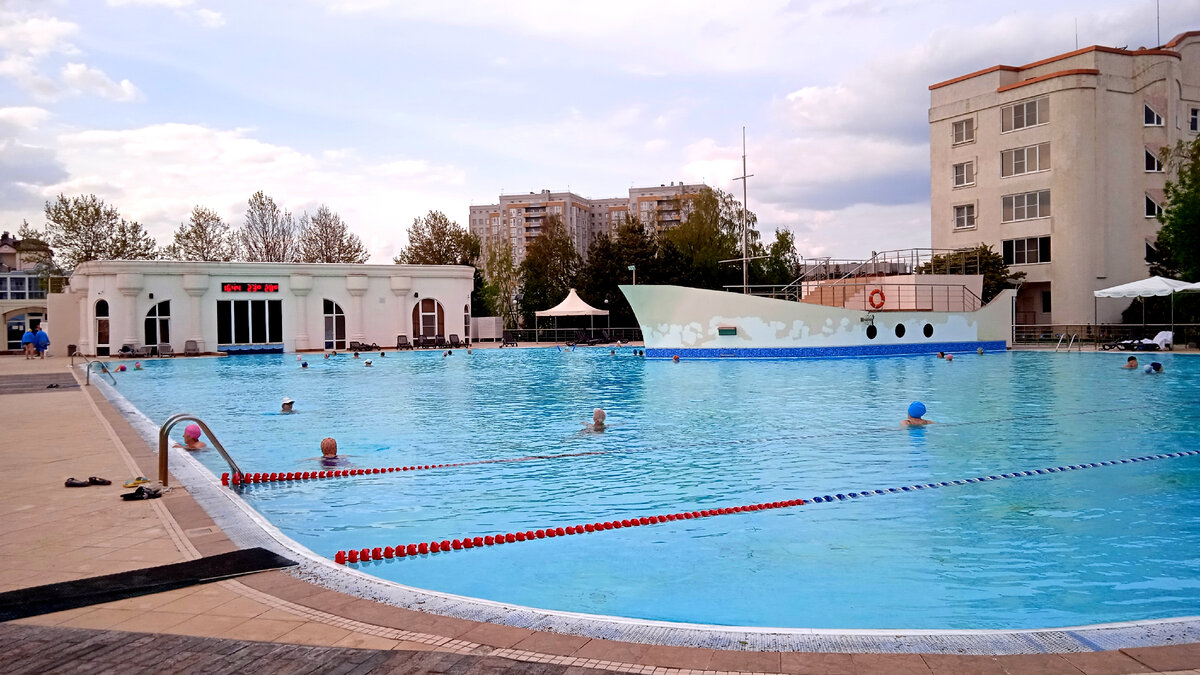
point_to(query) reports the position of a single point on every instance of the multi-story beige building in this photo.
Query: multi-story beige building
(518, 219)
(1055, 164)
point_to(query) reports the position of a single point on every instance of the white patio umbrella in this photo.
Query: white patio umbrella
(573, 305)
(1154, 286)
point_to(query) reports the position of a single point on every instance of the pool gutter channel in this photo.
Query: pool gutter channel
(247, 528)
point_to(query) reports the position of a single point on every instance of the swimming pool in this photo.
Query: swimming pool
(1113, 543)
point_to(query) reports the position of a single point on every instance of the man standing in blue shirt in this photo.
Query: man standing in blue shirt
(27, 344)
(41, 342)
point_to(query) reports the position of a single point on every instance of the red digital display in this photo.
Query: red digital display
(248, 287)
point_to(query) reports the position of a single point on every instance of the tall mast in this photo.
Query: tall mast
(745, 210)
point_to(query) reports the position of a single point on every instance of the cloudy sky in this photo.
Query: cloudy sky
(385, 109)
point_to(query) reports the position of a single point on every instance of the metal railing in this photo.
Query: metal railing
(164, 436)
(87, 380)
(1098, 335)
(565, 335)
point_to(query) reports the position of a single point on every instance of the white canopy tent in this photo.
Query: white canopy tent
(1154, 286)
(573, 305)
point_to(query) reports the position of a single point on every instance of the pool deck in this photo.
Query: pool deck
(52, 533)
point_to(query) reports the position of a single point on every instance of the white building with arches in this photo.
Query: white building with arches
(258, 307)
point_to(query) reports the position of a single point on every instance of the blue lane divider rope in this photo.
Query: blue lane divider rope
(982, 479)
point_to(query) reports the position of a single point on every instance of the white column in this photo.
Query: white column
(130, 285)
(79, 289)
(402, 289)
(357, 285)
(196, 285)
(301, 285)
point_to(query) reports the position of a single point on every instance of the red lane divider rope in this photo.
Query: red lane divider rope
(447, 545)
(276, 477)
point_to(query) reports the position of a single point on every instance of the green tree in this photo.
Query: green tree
(268, 234)
(712, 232)
(607, 267)
(1179, 236)
(782, 263)
(436, 240)
(325, 238)
(204, 237)
(979, 260)
(503, 280)
(84, 228)
(549, 269)
(35, 249)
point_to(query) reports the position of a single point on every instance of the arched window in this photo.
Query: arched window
(335, 326)
(467, 321)
(158, 323)
(428, 318)
(101, 328)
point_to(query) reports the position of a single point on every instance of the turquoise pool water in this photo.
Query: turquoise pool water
(1108, 544)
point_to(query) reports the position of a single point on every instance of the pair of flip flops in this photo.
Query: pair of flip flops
(136, 482)
(75, 482)
(143, 492)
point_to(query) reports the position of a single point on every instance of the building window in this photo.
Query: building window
(249, 321)
(964, 216)
(1151, 118)
(1026, 206)
(428, 318)
(102, 338)
(158, 323)
(1025, 114)
(1152, 163)
(1026, 251)
(1153, 210)
(467, 322)
(1045, 302)
(335, 325)
(1025, 160)
(963, 131)
(1194, 120)
(964, 174)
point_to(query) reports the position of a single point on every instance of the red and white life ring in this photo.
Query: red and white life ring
(882, 299)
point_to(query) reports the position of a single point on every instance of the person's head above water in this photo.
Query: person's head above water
(598, 416)
(328, 447)
(304, 364)
(287, 404)
(191, 434)
(916, 409)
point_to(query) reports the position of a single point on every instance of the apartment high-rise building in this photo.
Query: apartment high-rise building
(1056, 165)
(518, 219)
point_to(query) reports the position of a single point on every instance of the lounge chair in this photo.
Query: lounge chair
(164, 349)
(1162, 341)
(455, 342)
(127, 349)
(424, 341)
(402, 342)
(439, 341)
(143, 352)
(190, 348)
(507, 339)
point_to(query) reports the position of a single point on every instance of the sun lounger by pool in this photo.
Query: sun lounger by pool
(402, 342)
(454, 341)
(190, 348)
(507, 339)
(164, 349)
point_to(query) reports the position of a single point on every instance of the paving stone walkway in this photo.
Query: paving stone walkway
(40, 649)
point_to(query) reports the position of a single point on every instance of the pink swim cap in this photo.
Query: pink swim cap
(192, 431)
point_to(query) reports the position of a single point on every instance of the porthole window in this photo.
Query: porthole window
(871, 332)
(899, 330)
(928, 330)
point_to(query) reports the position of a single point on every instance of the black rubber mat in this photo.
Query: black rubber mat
(94, 590)
(36, 383)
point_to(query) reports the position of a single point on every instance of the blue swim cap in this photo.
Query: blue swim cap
(916, 409)
(1149, 369)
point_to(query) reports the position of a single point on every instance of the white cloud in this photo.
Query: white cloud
(17, 119)
(83, 79)
(209, 18)
(156, 174)
(173, 4)
(205, 17)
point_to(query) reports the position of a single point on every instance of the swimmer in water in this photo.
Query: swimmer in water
(949, 357)
(191, 438)
(941, 355)
(304, 364)
(329, 454)
(916, 411)
(368, 363)
(287, 405)
(597, 424)
(1154, 368)
(137, 365)
(1130, 363)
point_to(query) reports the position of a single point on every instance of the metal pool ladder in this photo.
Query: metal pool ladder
(163, 437)
(1069, 344)
(89, 362)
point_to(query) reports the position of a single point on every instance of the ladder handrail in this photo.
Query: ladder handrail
(1072, 342)
(103, 369)
(164, 433)
(1061, 337)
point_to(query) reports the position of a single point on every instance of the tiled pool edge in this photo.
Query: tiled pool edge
(245, 527)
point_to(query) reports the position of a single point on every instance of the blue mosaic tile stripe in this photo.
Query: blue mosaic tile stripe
(823, 352)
